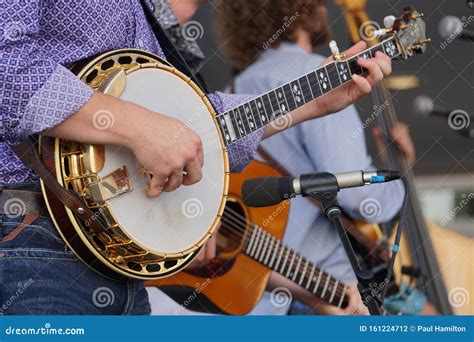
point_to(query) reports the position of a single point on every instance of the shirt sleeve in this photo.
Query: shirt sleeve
(36, 93)
(243, 151)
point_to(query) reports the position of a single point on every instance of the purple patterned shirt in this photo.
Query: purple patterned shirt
(39, 40)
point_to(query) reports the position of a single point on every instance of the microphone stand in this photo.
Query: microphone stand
(332, 210)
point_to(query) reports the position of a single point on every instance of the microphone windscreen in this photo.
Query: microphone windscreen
(450, 26)
(266, 191)
(423, 105)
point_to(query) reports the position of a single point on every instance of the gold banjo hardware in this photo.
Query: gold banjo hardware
(77, 166)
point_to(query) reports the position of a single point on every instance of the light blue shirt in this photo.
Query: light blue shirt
(334, 143)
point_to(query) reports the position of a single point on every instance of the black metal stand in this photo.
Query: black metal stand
(365, 277)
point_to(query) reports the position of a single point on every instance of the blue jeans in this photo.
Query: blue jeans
(40, 275)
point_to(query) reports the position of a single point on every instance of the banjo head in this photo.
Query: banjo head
(164, 232)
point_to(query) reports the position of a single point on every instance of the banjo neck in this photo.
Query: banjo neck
(249, 117)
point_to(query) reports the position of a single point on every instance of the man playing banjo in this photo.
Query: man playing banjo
(39, 94)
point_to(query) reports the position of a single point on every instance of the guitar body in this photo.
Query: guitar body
(236, 282)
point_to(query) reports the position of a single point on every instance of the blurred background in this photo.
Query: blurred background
(445, 158)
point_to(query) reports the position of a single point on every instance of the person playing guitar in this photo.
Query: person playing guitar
(332, 144)
(39, 94)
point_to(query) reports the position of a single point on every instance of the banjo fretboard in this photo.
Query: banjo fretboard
(257, 113)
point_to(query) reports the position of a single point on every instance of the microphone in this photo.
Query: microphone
(425, 106)
(267, 191)
(451, 27)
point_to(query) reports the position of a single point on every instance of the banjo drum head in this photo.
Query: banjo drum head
(176, 221)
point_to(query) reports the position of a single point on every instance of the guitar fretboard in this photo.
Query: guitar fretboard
(272, 253)
(257, 113)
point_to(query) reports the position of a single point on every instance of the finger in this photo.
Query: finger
(385, 66)
(174, 181)
(211, 248)
(363, 85)
(379, 139)
(193, 173)
(355, 49)
(155, 188)
(380, 54)
(375, 73)
(200, 155)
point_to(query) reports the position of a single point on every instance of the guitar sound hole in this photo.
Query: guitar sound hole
(233, 227)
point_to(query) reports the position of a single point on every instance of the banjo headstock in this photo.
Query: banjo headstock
(409, 30)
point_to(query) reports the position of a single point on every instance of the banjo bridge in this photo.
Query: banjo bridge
(110, 186)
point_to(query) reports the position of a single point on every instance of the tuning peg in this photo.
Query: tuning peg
(389, 20)
(335, 51)
(417, 15)
(424, 41)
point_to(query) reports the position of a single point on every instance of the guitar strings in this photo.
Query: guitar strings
(240, 230)
(324, 275)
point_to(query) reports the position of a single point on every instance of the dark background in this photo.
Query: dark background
(446, 76)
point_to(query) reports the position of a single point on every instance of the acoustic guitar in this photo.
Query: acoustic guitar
(250, 248)
(105, 216)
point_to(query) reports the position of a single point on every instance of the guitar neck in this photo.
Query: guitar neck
(247, 118)
(272, 253)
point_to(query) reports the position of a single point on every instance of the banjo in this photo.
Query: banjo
(127, 234)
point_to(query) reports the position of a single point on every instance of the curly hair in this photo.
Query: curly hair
(246, 27)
